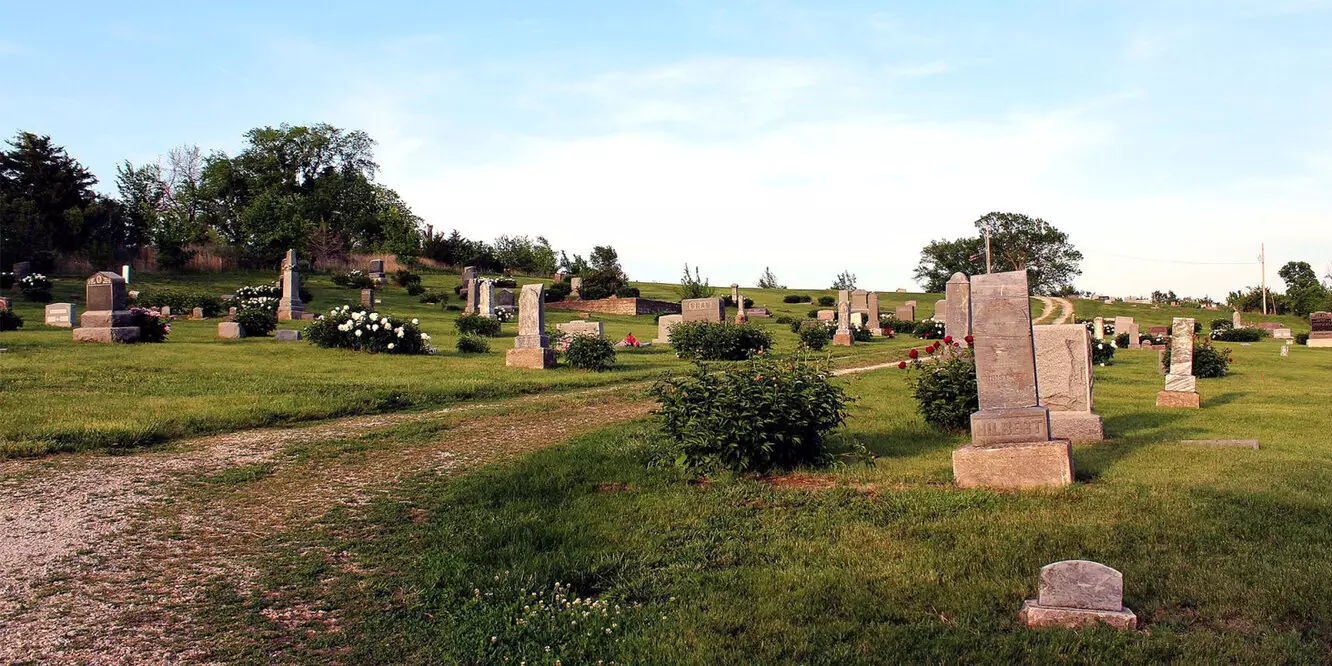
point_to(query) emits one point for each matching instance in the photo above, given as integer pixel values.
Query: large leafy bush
(705, 341)
(257, 321)
(826, 301)
(475, 324)
(1245, 334)
(181, 301)
(795, 298)
(473, 344)
(1208, 361)
(944, 384)
(36, 288)
(753, 417)
(9, 321)
(589, 352)
(814, 335)
(1103, 353)
(353, 280)
(153, 325)
(368, 331)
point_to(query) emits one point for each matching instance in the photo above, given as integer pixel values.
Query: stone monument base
(1019, 465)
(290, 314)
(110, 334)
(1319, 339)
(1076, 426)
(535, 358)
(1187, 399)
(843, 340)
(1036, 616)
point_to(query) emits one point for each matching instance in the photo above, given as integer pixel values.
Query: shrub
(475, 324)
(945, 386)
(627, 292)
(928, 329)
(36, 288)
(752, 417)
(1197, 327)
(256, 321)
(259, 291)
(589, 352)
(6, 281)
(182, 301)
(891, 323)
(786, 320)
(1245, 334)
(826, 301)
(1122, 340)
(405, 278)
(1103, 353)
(1222, 324)
(10, 321)
(432, 296)
(359, 330)
(729, 302)
(353, 280)
(861, 334)
(558, 292)
(814, 337)
(473, 344)
(153, 327)
(505, 283)
(706, 341)
(795, 298)
(812, 314)
(415, 289)
(504, 314)
(1301, 338)
(1208, 361)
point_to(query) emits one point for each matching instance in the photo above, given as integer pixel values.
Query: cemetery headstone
(941, 311)
(197, 313)
(287, 336)
(958, 322)
(21, 270)
(1098, 328)
(576, 287)
(741, 317)
(485, 299)
(827, 315)
(842, 337)
(1269, 326)
(60, 314)
(859, 300)
(735, 293)
(1159, 331)
(377, 271)
(1010, 434)
(106, 319)
(1064, 380)
(470, 296)
(505, 298)
(368, 299)
(872, 313)
(1282, 334)
(230, 330)
(290, 306)
(1181, 387)
(664, 324)
(125, 272)
(1127, 325)
(703, 309)
(531, 349)
(469, 273)
(583, 327)
(1078, 593)
(857, 319)
(1236, 320)
(165, 310)
(905, 312)
(1285, 350)
(1320, 329)
(5, 303)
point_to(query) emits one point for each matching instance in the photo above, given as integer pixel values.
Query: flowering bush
(1208, 361)
(752, 417)
(1108, 326)
(153, 325)
(589, 352)
(1222, 324)
(473, 344)
(814, 336)
(368, 331)
(706, 341)
(889, 322)
(353, 280)
(257, 320)
(1103, 353)
(259, 291)
(36, 288)
(504, 315)
(1245, 334)
(9, 321)
(475, 324)
(1122, 340)
(928, 329)
(944, 383)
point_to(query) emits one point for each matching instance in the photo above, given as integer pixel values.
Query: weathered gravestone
(958, 322)
(60, 314)
(1320, 329)
(664, 324)
(197, 313)
(735, 293)
(469, 294)
(1236, 320)
(290, 306)
(1127, 325)
(1282, 334)
(531, 349)
(1098, 328)
(703, 309)
(377, 271)
(905, 312)
(1285, 350)
(485, 298)
(1078, 593)
(872, 314)
(368, 299)
(741, 317)
(1181, 387)
(505, 298)
(469, 273)
(287, 336)
(106, 320)
(842, 337)
(165, 310)
(827, 315)
(1158, 331)
(1010, 435)
(941, 311)
(1064, 381)
(859, 301)
(576, 287)
(22, 269)
(230, 330)
(583, 327)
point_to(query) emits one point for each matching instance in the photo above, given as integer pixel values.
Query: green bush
(861, 334)
(475, 324)
(415, 289)
(627, 292)
(36, 288)
(405, 278)
(153, 327)
(945, 387)
(181, 301)
(376, 332)
(1208, 361)
(1103, 353)
(1300, 338)
(505, 283)
(473, 344)
(897, 326)
(812, 314)
(814, 337)
(10, 321)
(796, 325)
(786, 320)
(557, 291)
(928, 329)
(1122, 340)
(353, 280)
(1222, 324)
(433, 296)
(795, 298)
(727, 301)
(753, 417)
(1245, 334)
(826, 301)
(257, 322)
(590, 352)
(705, 341)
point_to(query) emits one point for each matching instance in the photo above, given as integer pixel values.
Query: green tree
(604, 275)
(942, 258)
(845, 280)
(695, 286)
(1305, 293)
(768, 280)
(1019, 242)
(47, 204)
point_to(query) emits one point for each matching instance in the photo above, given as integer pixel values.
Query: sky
(1169, 139)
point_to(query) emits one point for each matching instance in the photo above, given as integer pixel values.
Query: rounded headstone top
(1081, 584)
(958, 277)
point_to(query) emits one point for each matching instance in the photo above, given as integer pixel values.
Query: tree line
(1016, 242)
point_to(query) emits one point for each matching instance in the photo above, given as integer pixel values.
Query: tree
(604, 275)
(942, 258)
(525, 255)
(1305, 292)
(47, 204)
(846, 280)
(768, 280)
(1298, 275)
(1019, 242)
(694, 286)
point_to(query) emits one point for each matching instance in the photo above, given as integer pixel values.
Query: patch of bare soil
(104, 559)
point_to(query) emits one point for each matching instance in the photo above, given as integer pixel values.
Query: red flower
(913, 353)
(1230, 360)
(948, 339)
(902, 365)
(969, 339)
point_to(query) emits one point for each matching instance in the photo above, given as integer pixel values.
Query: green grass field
(59, 395)
(1224, 551)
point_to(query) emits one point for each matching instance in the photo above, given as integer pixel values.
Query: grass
(1224, 551)
(58, 395)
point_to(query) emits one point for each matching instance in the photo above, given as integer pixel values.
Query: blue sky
(809, 137)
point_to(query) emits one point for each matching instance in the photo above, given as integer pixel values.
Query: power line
(1180, 261)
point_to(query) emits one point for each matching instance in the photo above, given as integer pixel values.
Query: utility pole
(987, 252)
(1262, 259)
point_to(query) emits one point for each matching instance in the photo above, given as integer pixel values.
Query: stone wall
(618, 306)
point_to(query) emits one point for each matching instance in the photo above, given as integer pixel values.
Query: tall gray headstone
(1064, 381)
(958, 323)
(842, 337)
(485, 299)
(531, 347)
(1098, 326)
(664, 324)
(470, 298)
(872, 313)
(1181, 387)
(290, 306)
